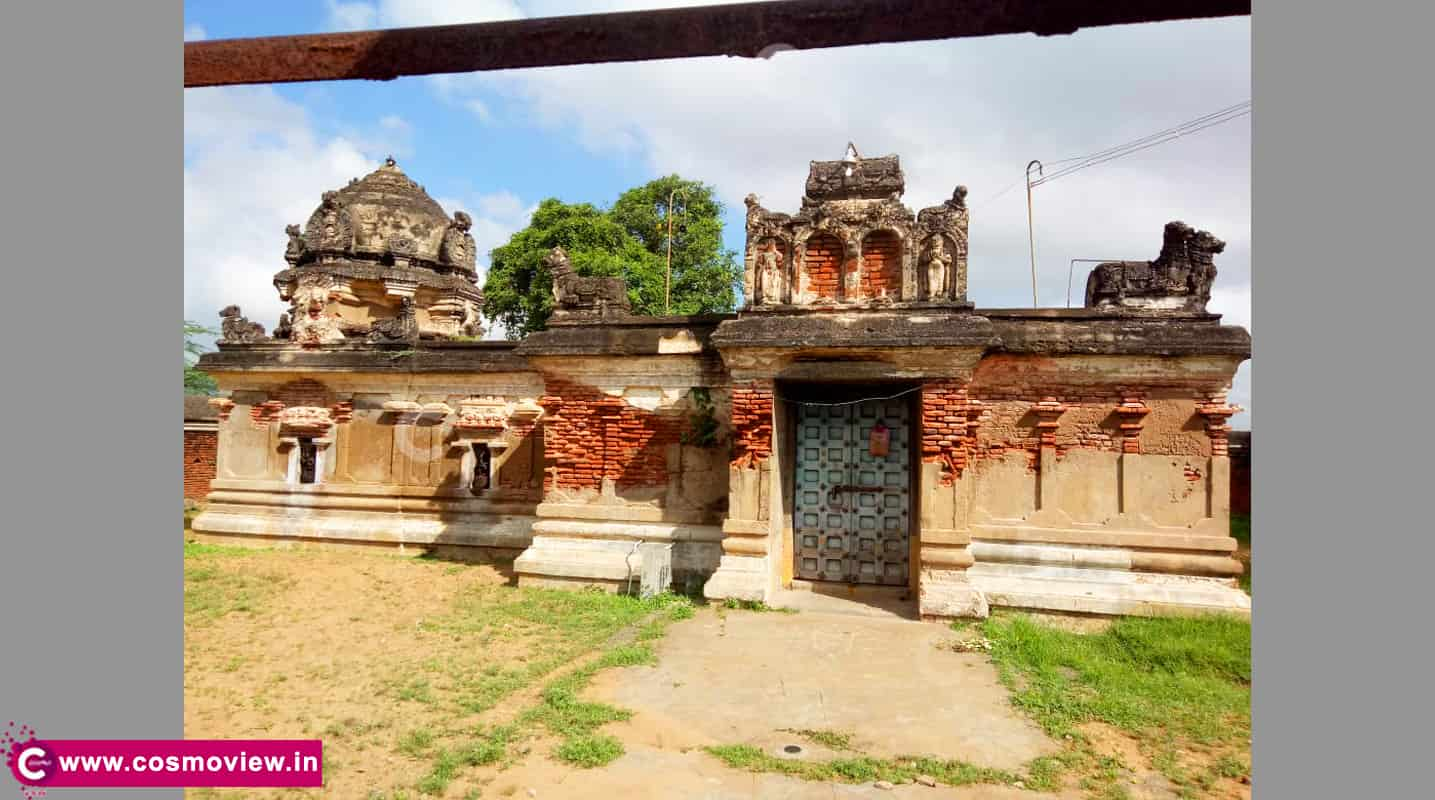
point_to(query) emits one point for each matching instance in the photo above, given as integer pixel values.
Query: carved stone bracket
(264, 413)
(1218, 415)
(481, 417)
(405, 412)
(305, 421)
(342, 411)
(1048, 411)
(1132, 413)
(223, 406)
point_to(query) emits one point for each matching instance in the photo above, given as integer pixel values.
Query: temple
(859, 428)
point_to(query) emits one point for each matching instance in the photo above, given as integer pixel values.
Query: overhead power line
(1078, 163)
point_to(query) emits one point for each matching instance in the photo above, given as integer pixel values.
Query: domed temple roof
(384, 217)
(379, 259)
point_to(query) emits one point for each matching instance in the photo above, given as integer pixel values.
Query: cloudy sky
(968, 111)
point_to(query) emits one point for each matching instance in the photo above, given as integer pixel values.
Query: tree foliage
(195, 380)
(628, 240)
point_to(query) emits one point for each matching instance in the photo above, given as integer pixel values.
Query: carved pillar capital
(1132, 412)
(1218, 414)
(223, 406)
(1048, 412)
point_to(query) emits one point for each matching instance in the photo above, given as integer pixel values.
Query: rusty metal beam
(746, 29)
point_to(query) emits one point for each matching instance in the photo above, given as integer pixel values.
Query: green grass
(1241, 532)
(861, 769)
(1167, 682)
(560, 710)
(832, 740)
(213, 589)
(734, 604)
(589, 750)
(1241, 528)
(554, 628)
(445, 768)
(416, 743)
(1187, 675)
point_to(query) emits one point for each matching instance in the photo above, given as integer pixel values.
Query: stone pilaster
(1048, 413)
(1132, 413)
(744, 571)
(949, 422)
(1218, 413)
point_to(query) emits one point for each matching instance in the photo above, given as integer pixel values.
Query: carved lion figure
(234, 328)
(584, 295)
(312, 324)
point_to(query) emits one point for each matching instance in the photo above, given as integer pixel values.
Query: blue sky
(964, 111)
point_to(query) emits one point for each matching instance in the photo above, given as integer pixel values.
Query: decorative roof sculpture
(854, 244)
(1178, 280)
(388, 261)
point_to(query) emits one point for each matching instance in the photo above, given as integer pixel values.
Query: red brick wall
(589, 436)
(200, 449)
(751, 423)
(303, 392)
(822, 262)
(881, 265)
(944, 427)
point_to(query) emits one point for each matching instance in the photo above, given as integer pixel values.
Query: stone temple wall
(1069, 459)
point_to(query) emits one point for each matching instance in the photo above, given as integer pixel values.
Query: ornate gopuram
(858, 428)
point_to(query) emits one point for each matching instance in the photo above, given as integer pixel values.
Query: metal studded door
(852, 504)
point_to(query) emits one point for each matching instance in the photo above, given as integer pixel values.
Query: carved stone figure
(959, 198)
(284, 328)
(935, 264)
(312, 323)
(235, 329)
(295, 249)
(576, 295)
(330, 227)
(769, 274)
(472, 324)
(1179, 279)
(403, 327)
(458, 245)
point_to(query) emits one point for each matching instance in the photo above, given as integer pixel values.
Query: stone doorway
(852, 487)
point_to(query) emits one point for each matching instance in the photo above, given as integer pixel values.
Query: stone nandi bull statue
(1178, 280)
(235, 328)
(575, 295)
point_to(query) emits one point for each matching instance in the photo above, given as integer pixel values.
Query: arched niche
(822, 259)
(881, 264)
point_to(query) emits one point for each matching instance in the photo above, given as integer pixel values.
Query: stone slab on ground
(742, 677)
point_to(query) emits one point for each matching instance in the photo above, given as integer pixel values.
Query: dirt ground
(395, 662)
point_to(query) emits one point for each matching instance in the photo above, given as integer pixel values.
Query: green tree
(196, 381)
(704, 275)
(629, 240)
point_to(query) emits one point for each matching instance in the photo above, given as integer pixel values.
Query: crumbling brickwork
(882, 265)
(822, 262)
(303, 392)
(590, 436)
(200, 449)
(752, 424)
(948, 418)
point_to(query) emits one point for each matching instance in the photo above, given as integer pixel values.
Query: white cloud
(970, 111)
(194, 32)
(415, 13)
(352, 16)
